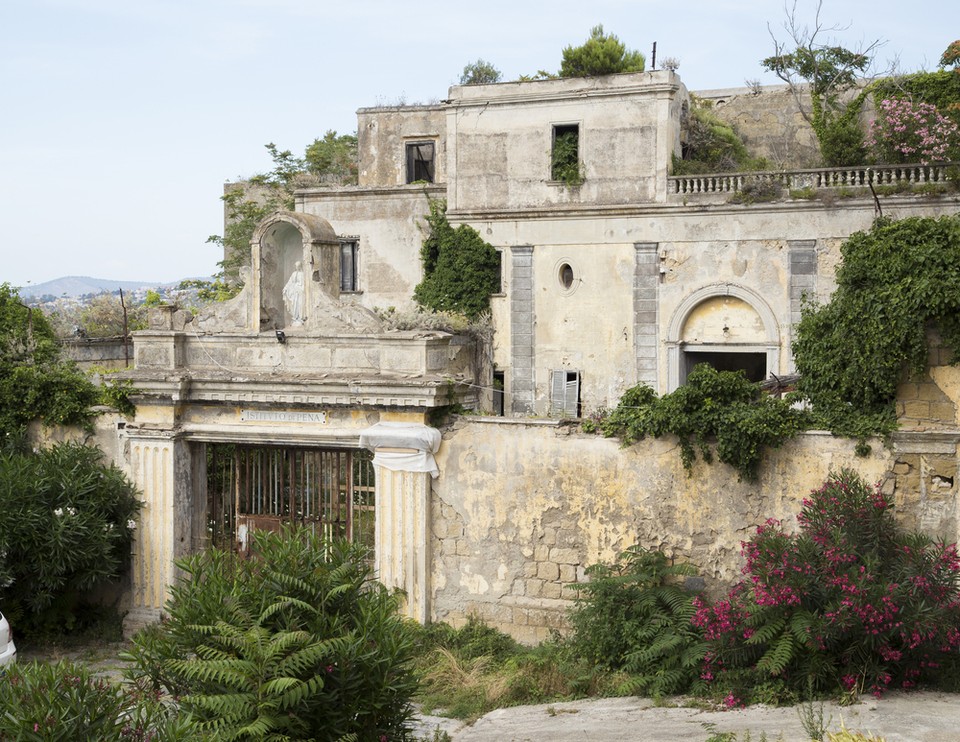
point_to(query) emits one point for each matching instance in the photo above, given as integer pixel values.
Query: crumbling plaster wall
(382, 133)
(500, 139)
(521, 508)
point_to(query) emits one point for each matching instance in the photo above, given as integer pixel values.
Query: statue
(293, 295)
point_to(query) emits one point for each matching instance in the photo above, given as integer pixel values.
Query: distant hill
(74, 286)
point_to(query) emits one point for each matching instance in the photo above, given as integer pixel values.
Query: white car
(8, 650)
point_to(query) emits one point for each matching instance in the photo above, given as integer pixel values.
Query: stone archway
(726, 325)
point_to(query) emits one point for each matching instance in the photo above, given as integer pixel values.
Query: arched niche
(726, 325)
(279, 242)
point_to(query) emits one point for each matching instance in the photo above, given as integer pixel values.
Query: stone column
(522, 386)
(152, 463)
(402, 535)
(646, 285)
(803, 281)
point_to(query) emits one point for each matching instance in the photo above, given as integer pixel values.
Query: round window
(566, 275)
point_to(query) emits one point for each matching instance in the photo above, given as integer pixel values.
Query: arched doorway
(727, 326)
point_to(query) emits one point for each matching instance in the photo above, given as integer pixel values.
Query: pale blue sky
(120, 120)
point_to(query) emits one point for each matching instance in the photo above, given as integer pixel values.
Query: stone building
(265, 410)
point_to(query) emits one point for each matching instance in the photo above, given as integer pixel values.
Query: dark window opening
(566, 275)
(565, 393)
(499, 288)
(565, 158)
(498, 381)
(349, 266)
(420, 162)
(753, 365)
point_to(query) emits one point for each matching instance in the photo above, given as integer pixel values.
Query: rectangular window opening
(420, 162)
(565, 393)
(499, 378)
(349, 265)
(565, 155)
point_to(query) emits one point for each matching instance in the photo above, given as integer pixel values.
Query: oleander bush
(848, 604)
(65, 701)
(66, 523)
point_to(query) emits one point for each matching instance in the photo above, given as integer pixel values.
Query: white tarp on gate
(424, 441)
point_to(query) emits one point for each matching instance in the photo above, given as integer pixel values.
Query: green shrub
(758, 191)
(66, 522)
(633, 616)
(64, 701)
(712, 146)
(460, 270)
(850, 603)
(713, 406)
(298, 640)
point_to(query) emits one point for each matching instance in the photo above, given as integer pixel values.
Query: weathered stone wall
(521, 508)
(382, 134)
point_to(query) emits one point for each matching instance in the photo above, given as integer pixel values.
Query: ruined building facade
(267, 409)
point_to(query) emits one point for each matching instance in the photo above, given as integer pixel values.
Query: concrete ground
(907, 717)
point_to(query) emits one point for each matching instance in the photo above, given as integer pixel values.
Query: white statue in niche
(293, 295)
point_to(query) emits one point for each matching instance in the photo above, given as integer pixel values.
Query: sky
(120, 120)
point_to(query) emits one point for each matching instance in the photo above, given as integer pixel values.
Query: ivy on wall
(460, 270)
(896, 281)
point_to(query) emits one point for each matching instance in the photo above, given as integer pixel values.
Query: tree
(600, 54)
(827, 73)
(35, 382)
(460, 270)
(951, 56)
(480, 72)
(334, 158)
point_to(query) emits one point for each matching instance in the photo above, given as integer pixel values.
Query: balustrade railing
(863, 176)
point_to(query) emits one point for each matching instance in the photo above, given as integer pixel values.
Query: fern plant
(635, 616)
(297, 642)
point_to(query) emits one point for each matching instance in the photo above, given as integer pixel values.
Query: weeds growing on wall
(711, 145)
(720, 407)
(460, 270)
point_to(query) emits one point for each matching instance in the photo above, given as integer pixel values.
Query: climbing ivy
(460, 270)
(896, 280)
(721, 407)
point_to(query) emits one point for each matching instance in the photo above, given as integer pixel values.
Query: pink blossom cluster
(912, 132)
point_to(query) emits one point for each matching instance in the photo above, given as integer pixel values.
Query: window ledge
(358, 291)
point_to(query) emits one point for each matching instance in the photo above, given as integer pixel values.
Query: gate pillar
(403, 456)
(157, 460)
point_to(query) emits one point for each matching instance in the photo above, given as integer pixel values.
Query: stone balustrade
(905, 176)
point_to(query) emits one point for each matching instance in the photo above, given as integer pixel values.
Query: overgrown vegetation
(712, 406)
(480, 72)
(565, 158)
(65, 701)
(460, 269)
(296, 641)
(66, 523)
(331, 160)
(635, 615)
(850, 604)
(712, 145)
(895, 281)
(35, 381)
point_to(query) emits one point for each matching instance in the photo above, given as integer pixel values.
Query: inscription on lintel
(279, 416)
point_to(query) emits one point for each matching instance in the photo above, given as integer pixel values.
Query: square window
(420, 162)
(349, 265)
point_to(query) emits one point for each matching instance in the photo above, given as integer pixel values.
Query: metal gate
(264, 487)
